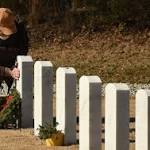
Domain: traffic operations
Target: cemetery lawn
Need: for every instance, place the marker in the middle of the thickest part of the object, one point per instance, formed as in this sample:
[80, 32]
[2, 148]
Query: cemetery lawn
[24, 140]
[115, 54]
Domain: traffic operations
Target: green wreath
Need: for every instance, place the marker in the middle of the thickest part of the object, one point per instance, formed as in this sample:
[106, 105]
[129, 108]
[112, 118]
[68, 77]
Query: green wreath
[10, 109]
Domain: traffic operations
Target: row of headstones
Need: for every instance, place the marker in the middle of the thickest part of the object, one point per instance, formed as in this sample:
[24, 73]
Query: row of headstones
[116, 106]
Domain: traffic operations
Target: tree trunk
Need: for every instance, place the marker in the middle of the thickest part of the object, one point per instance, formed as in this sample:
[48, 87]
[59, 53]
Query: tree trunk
[35, 12]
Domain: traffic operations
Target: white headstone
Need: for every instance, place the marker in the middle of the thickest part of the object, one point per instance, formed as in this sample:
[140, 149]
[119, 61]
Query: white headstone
[142, 124]
[66, 103]
[117, 117]
[43, 94]
[89, 113]
[25, 88]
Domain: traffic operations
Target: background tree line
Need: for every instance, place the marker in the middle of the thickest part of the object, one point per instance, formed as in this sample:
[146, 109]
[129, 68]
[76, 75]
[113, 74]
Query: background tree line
[76, 13]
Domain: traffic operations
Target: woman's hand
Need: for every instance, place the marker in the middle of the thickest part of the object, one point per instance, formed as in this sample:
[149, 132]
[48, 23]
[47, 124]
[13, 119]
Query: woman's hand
[15, 73]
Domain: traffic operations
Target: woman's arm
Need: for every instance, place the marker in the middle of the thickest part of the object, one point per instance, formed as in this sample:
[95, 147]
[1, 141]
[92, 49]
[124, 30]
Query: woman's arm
[7, 72]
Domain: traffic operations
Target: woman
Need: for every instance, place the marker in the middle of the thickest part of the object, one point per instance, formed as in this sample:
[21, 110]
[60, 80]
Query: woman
[13, 42]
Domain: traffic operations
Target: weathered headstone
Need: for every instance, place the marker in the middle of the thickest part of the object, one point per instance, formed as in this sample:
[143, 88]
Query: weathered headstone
[25, 88]
[116, 117]
[89, 113]
[66, 103]
[142, 124]
[43, 94]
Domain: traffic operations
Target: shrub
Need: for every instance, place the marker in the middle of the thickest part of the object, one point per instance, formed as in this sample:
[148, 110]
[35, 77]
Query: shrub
[47, 129]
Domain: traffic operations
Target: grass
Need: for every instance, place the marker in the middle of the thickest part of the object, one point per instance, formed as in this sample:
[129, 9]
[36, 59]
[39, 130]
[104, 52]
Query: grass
[24, 140]
[113, 55]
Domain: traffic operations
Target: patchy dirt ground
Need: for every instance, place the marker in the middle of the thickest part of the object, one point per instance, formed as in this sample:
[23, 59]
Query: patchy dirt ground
[115, 54]
[24, 140]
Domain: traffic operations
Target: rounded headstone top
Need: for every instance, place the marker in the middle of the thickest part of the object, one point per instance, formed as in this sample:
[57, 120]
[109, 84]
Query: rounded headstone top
[24, 58]
[117, 86]
[68, 70]
[43, 63]
[144, 92]
[93, 79]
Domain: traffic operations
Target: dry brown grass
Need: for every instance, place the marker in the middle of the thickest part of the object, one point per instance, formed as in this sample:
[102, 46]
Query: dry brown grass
[24, 139]
[113, 55]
